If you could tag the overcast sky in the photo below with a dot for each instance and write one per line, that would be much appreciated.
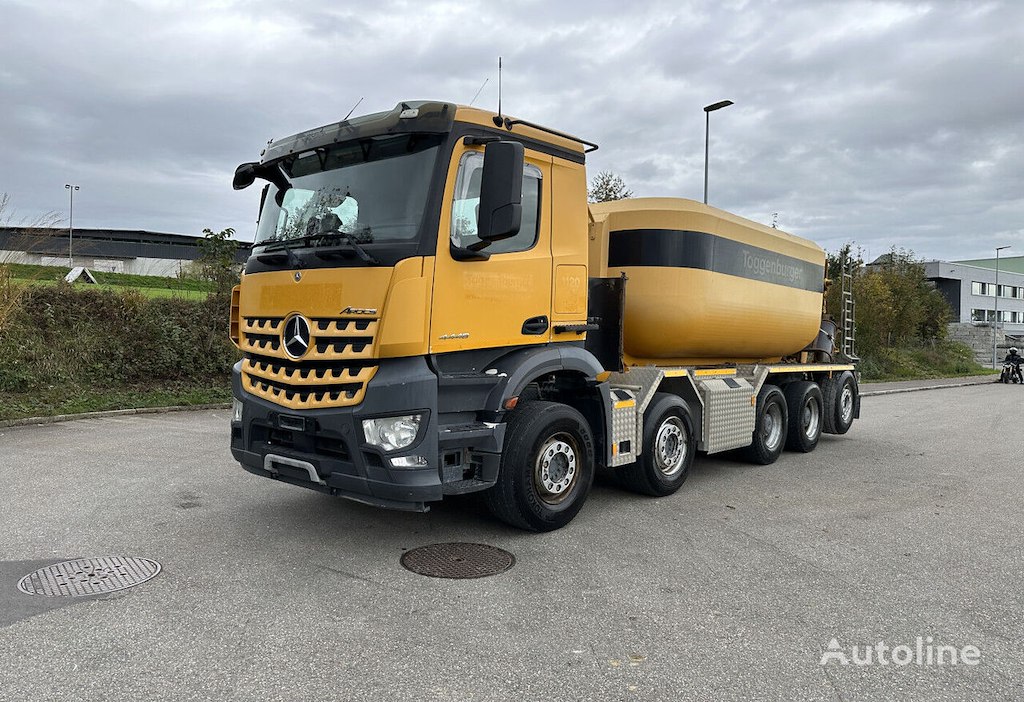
(880, 123)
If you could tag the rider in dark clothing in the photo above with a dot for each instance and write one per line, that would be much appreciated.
(1013, 373)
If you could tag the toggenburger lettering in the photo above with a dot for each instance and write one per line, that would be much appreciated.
(772, 268)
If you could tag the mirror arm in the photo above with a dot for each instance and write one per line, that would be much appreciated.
(462, 254)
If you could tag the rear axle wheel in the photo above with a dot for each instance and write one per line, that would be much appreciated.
(770, 426)
(804, 401)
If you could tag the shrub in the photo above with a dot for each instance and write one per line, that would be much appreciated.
(81, 336)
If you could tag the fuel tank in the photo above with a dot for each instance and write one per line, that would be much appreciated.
(706, 286)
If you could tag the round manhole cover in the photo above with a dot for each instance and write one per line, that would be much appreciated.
(88, 576)
(458, 560)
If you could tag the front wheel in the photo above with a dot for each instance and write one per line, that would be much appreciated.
(668, 449)
(547, 467)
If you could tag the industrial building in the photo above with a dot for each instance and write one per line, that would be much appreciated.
(110, 250)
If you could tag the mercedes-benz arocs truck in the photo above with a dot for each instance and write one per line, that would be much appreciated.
(432, 308)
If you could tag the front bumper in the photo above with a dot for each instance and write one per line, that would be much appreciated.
(325, 449)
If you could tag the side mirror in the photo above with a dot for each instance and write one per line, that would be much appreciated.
(501, 191)
(245, 175)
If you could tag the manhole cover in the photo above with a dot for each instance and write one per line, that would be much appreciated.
(458, 560)
(88, 576)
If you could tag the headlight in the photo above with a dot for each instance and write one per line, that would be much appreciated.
(392, 433)
(236, 411)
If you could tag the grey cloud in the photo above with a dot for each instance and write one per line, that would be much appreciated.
(888, 123)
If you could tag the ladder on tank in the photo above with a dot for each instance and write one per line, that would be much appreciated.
(848, 321)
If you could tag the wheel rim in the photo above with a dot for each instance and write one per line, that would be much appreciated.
(846, 404)
(557, 469)
(772, 426)
(811, 418)
(670, 447)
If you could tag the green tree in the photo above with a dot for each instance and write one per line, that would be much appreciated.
(216, 262)
(607, 186)
(896, 304)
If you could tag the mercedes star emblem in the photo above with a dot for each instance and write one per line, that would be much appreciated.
(296, 336)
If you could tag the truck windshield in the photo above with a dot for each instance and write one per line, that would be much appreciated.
(374, 189)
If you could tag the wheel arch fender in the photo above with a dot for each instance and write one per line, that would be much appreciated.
(572, 364)
(524, 366)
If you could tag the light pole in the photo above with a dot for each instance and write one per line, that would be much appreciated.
(995, 322)
(71, 222)
(707, 125)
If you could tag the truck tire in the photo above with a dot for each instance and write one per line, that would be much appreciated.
(840, 396)
(804, 401)
(769, 427)
(668, 449)
(546, 469)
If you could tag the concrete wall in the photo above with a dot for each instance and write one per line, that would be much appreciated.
(979, 338)
(168, 268)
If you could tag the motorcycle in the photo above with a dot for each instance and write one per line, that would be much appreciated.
(1011, 373)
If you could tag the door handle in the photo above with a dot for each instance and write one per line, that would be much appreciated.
(535, 326)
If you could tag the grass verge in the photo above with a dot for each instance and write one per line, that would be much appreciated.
(147, 291)
(76, 400)
(943, 359)
(52, 274)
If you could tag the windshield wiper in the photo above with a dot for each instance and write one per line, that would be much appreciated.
(348, 237)
(363, 254)
(290, 257)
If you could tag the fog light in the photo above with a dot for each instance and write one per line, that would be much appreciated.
(392, 433)
(236, 411)
(409, 462)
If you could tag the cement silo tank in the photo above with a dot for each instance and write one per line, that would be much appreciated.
(706, 286)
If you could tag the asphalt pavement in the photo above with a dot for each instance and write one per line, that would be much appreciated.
(732, 589)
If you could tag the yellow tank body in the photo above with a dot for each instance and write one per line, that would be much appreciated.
(706, 286)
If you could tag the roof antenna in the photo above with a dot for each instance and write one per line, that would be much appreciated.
(352, 110)
(498, 120)
(478, 92)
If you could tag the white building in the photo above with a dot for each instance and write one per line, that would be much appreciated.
(111, 250)
(971, 292)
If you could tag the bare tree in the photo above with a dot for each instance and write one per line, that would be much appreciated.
(19, 238)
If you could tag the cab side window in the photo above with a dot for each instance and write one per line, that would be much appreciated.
(467, 201)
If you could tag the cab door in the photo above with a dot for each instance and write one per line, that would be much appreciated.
(505, 300)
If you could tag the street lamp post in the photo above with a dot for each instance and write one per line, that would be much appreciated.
(995, 321)
(71, 222)
(707, 125)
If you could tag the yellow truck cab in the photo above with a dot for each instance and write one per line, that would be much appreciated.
(430, 308)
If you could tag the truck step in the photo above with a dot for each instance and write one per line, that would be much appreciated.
(464, 434)
(462, 487)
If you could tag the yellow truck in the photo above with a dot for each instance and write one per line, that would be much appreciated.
(432, 308)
